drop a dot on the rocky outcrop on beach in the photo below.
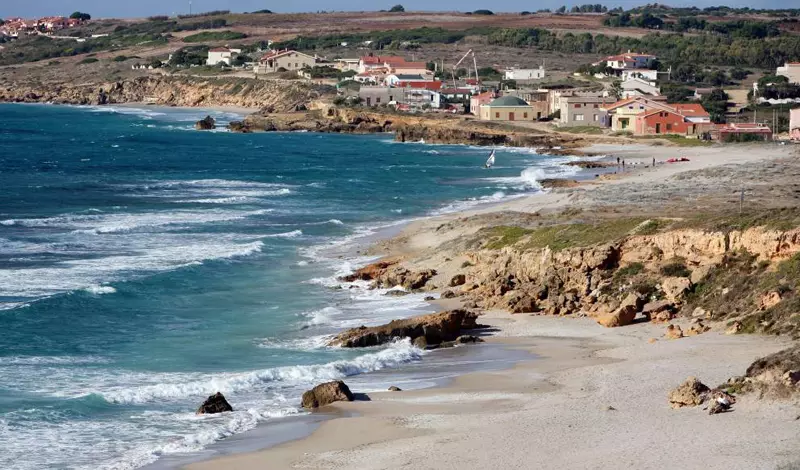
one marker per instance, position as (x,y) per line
(325,394)
(426,330)
(390,273)
(214,404)
(690,393)
(773,376)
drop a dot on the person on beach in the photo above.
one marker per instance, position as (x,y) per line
(623,165)
(617,161)
(654,162)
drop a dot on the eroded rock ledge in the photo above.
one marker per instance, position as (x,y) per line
(425,331)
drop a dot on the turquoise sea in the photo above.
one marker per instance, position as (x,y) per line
(145,265)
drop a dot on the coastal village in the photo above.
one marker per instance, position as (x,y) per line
(622,94)
(633,267)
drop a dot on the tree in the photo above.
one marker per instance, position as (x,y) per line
(562,9)
(616,89)
(155,63)
(397,9)
(81,16)
(739,74)
(240,60)
(716,103)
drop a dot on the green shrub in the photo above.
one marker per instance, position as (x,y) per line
(120,58)
(89,60)
(208,36)
(675,268)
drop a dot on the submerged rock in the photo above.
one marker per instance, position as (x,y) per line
(395,389)
(214,404)
(326,393)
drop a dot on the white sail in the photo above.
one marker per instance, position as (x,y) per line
(490,161)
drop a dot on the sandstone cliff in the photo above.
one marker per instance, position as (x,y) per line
(269,95)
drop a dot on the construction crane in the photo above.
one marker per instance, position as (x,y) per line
(474,62)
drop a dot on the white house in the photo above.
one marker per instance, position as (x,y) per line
(394,79)
(222,54)
(524,74)
(790,70)
(651,75)
(639,87)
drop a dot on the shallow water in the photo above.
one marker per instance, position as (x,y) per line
(145,265)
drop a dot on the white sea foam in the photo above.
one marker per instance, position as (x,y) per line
(292,234)
(398,353)
(51,360)
(100,290)
(126,222)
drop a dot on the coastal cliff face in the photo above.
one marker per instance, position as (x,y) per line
(269,95)
(748,278)
(433,129)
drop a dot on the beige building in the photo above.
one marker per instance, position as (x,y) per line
(508,108)
(286,60)
(790,70)
(584,111)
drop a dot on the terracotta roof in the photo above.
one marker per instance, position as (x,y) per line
(219,49)
(691,110)
(433,86)
(385,59)
(409,65)
(456,91)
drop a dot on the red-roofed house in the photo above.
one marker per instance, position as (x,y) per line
(744,132)
(393,64)
(435,85)
(643,116)
(630,65)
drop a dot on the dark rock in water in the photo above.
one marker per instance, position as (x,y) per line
(429,298)
(214,404)
(396,293)
(239,127)
(327,393)
(434,328)
(395,389)
(206,124)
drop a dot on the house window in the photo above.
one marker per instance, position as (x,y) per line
(594,117)
(579,117)
(497,115)
(577,105)
(525,115)
(391,98)
(669,126)
(377,100)
(596,106)
(630,107)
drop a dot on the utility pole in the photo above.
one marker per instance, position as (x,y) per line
(190,7)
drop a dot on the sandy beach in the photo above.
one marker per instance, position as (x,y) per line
(595,397)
